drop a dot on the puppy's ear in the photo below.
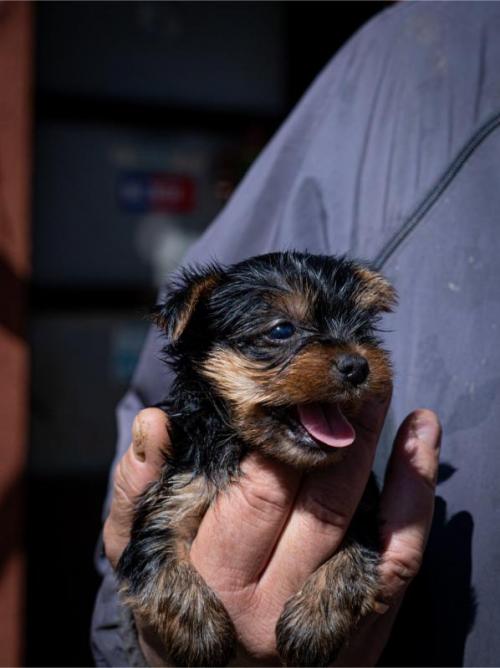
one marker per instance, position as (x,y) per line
(374,292)
(194,285)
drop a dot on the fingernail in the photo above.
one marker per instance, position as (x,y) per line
(380,608)
(138,444)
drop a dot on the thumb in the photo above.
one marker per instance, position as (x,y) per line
(140,465)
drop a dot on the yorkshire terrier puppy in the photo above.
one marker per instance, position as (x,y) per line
(274,354)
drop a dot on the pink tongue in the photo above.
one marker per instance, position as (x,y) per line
(327,424)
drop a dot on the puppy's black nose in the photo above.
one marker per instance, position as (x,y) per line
(354,368)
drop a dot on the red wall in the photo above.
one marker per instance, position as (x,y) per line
(15,176)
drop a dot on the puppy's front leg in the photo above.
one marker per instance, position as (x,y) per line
(320,618)
(317,621)
(162,587)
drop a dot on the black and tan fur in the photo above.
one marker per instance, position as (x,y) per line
(236,390)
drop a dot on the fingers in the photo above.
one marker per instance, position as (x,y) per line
(407,505)
(407,501)
(150,438)
(239,532)
(140,465)
(366,647)
(324,508)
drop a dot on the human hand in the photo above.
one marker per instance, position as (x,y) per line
(262,538)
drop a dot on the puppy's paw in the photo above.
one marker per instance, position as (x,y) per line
(307,635)
(190,621)
(202,636)
(316,622)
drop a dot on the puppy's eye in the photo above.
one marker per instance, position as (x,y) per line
(282,331)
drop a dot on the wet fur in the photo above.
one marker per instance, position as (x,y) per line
(233,393)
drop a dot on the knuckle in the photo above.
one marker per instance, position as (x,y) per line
(327,513)
(106,534)
(108,539)
(399,568)
(118,473)
(120,486)
(265,502)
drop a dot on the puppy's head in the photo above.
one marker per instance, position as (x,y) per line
(287,341)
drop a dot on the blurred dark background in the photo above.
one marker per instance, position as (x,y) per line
(146,116)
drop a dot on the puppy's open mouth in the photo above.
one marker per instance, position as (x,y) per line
(317,424)
(326,423)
